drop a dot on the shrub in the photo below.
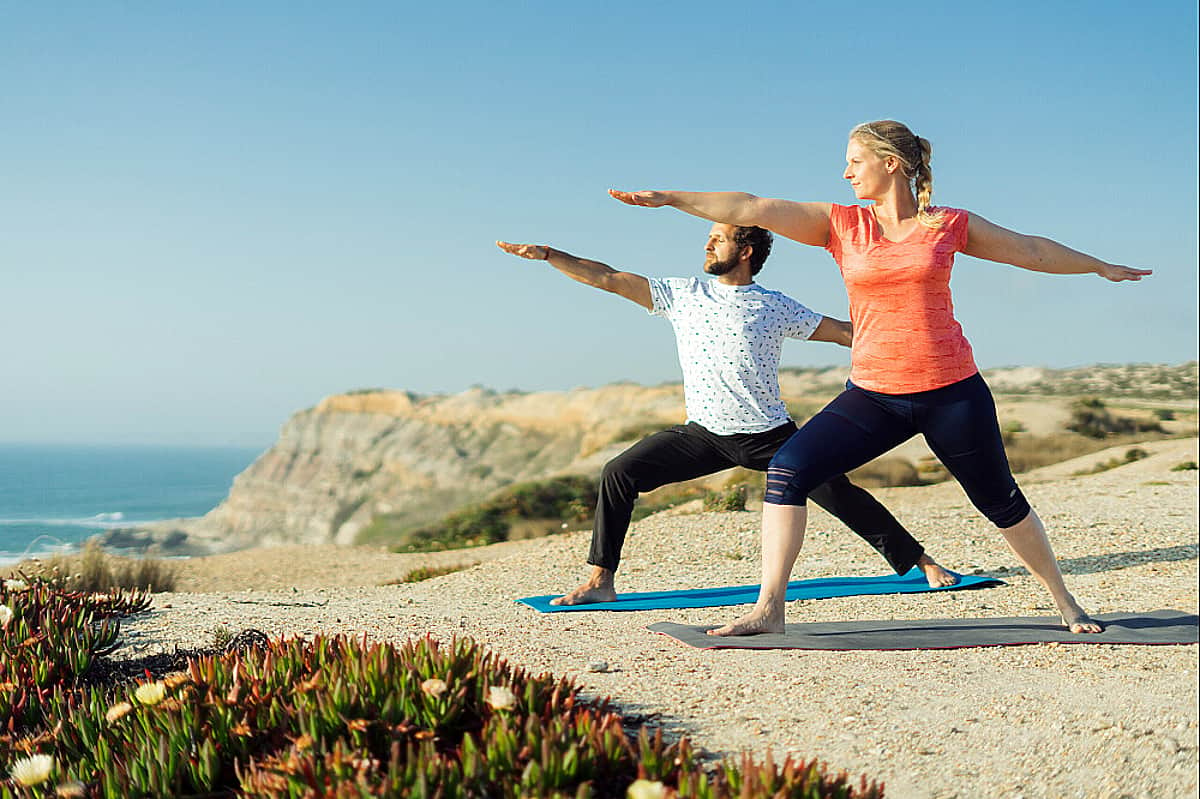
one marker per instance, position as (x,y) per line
(1131,455)
(563,499)
(1186,466)
(1091,418)
(732,498)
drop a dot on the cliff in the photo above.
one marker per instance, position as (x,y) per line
(416,458)
(353,456)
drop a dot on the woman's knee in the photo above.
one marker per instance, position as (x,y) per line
(784,487)
(793,474)
(1005,511)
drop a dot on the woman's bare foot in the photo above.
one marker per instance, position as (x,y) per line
(759,620)
(1076,619)
(598,588)
(935,575)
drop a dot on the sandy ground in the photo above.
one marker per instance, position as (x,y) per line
(1022,721)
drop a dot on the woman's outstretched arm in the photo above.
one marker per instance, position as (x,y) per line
(807,223)
(1038,254)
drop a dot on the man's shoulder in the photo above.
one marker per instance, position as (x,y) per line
(773,295)
(680,282)
(680,286)
(789,306)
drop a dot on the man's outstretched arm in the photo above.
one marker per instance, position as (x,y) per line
(834,330)
(591,273)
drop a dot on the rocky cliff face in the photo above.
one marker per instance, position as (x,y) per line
(338,465)
(356,456)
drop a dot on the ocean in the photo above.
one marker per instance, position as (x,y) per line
(52,498)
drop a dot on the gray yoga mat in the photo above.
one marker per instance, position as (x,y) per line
(1153,627)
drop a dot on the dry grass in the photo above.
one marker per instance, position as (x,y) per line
(93,569)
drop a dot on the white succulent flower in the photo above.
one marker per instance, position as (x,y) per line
(117,712)
(71,790)
(15,585)
(646,789)
(32,770)
(151,693)
(500,697)
(6,615)
(434,687)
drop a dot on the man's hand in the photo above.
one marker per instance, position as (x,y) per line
(1117,273)
(646,199)
(534,252)
(591,273)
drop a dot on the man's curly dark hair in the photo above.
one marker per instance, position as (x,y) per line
(759,240)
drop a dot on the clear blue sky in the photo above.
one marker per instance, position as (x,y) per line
(214,214)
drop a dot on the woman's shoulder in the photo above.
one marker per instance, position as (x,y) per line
(847,216)
(949,215)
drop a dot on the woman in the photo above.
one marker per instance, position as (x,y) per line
(912,370)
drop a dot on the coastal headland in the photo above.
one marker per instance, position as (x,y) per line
(369,466)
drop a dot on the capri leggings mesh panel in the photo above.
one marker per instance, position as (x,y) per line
(958,422)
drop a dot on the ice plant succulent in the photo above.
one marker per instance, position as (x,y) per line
(32,770)
(117,712)
(501,698)
(73,789)
(339,717)
(151,693)
(646,789)
(434,687)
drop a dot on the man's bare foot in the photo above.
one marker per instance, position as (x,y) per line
(935,575)
(759,620)
(598,588)
(1076,619)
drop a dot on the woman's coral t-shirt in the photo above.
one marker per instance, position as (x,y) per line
(906,338)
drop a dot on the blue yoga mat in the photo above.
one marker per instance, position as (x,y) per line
(819,588)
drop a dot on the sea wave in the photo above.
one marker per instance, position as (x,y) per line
(104,521)
(40,547)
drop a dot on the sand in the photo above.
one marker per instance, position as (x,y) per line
(1023,721)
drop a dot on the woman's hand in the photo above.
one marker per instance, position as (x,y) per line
(646,199)
(1117,273)
(534,252)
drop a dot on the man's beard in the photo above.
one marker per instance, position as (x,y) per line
(718,267)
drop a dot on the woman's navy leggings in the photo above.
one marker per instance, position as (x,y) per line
(958,422)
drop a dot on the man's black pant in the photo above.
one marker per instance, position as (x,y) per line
(688,451)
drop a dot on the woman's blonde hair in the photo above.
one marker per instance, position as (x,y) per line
(888,137)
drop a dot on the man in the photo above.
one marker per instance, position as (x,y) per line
(730,333)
